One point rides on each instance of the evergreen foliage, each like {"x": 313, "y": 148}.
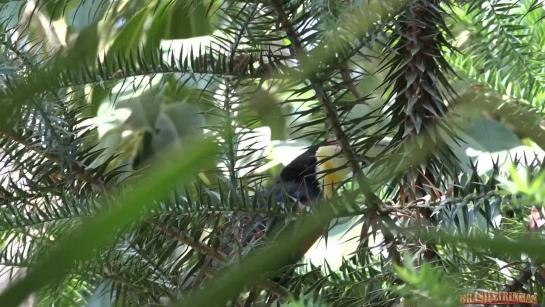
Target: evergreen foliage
{"x": 140, "y": 142}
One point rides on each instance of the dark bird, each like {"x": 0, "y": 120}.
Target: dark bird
{"x": 313, "y": 175}
{"x": 316, "y": 172}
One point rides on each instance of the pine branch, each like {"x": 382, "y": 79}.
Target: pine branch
{"x": 298, "y": 50}
{"x": 300, "y": 53}
{"x": 78, "y": 170}
{"x": 184, "y": 239}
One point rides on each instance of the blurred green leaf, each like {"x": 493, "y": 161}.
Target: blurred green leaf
{"x": 489, "y": 135}
{"x": 84, "y": 48}
{"x": 186, "y": 118}
{"x": 264, "y": 107}
{"x": 130, "y": 37}
{"x": 86, "y": 13}
{"x": 177, "y": 20}
{"x": 521, "y": 183}
{"x": 426, "y": 285}
{"x": 498, "y": 244}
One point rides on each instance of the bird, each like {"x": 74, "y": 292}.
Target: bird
{"x": 312, "y": 176}
{"x": 316, "y": 172}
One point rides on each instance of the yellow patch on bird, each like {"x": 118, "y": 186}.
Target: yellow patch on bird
{"x": 332, "y": 168}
